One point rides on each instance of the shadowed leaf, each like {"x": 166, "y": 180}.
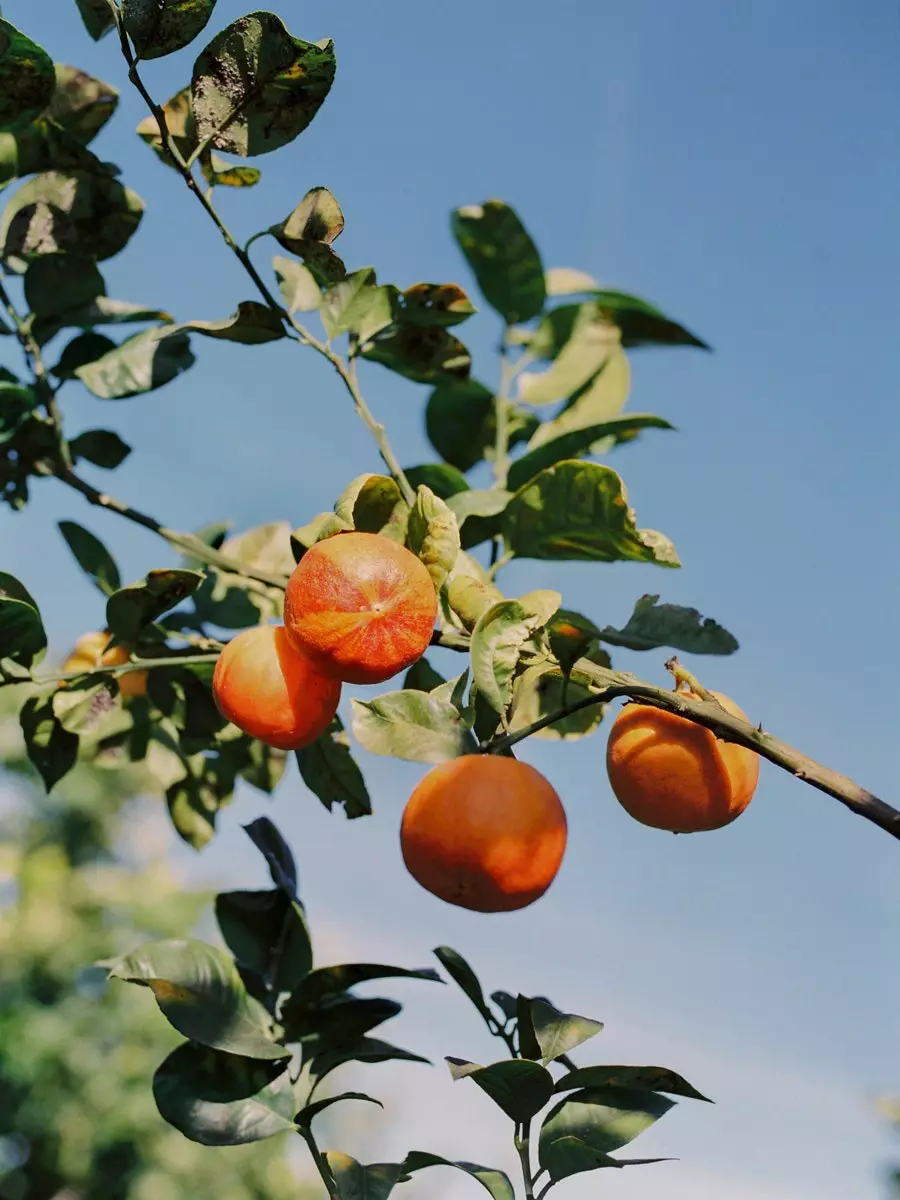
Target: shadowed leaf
{"x": 266, "y": 838}
{"x": 556, "y": 1032}
{"x": 653, "y": 624}
{"x": 81, "y": 104}
{"x": 252, "y": 325}
{"x": 496, "y": 1183}
{"x": 159, "y": 27}
{"x": 578, "y": 442}
{"x": 306, "y": 1115}
{"x": 97, "y": 17}
{"x": 92, "y": 556}
{"x": 583, "y": 1129}
{"x": 358, "y": 1182}
{"x": 27, "y": 77}
{"x": 329, "y": 770}
{"x": 53, "y": 751}
{"x": 464, "y": 977}
{"x": 520, "y": 1087}
{"x": 503, "y": 257}
{"x": 267, "y": 933}
{"x": 101, "y": 447}
{"x": 653, "y": 1079}
{"x": 131, "y": 608}
{"x": 140, "y": 364}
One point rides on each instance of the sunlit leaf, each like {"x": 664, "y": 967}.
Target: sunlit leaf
{"x": 520, "y": 1087}
{"x": 581, "y": 1131}
{"x": 495, "y": 1182}
{"x": 417, "y": 726}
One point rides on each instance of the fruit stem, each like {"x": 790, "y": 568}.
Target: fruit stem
{"x": 692, "y": 683}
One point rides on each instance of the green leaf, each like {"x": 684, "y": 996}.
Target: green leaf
{"x": 56, "y": 282}
{"x": 92, "y": 556}
{"x": 17, "y": 405}
{"x": 255, "y": 87}
{"x": 364, "y": 1049}
{"x": 218, "y": 172}
{"x": 22, "y": 636}
{"x": 142, "y": 363}
{"x": 132, "y": 608}
{"x": 441, "y": 304}
{"x": 528, "y": 1043}
{"x": 591, "y": 344}
{"x": 459, "y": 421}
{"x": 323, "y": 526}
{"x": 357, "y": 1182}
{"x": 520, "y": 1087}
{"x": 641, "y": 323}
{"x": 497, "y": 642}
{"x": 298, "y": 285}
{"x": 78, "y": 211}
{"x": 601, "y": 399}
{"x": 101, "y": 447}
{"x": 582, "y": 1130}
{"x": 81, "y": 104}
{"x": 568, "y": 281}
{"x": 356, "y": 305}
{"x": 557, "y": 1033}
{"x": 422, "y": 677}
{"x": 252, "y": 325}
{"x": 652, "y": 1079}
{"x": 478, "y": 512}
{"x": 417, "y": 726}
{"x": 652, "y": 625}
{"x": 464, "y": 977}
{"x": 338, "y": 1024}
{"x": 433, "y": 534}
{"x": 367, "y": 503}
{"x": 329, "y": 770}
{"x": 97, "y": 17}
{"x": 222, "y": 1099}
{"x": 27, "y": 78}
{"x": 423, "y": 354}
{"x": 317, "y": 218}
{"x": 579, "y": 511}
{"x": 503, "y": 257}
{"x": 159, "y": 27}
{"x": 194, "y": 802}
{"x": 53, "y": 751}
{"x": 329, "y": 981}
{"x": 101, "y": 311}
{"x": 267, "y": 933}
{"x": 89, "y": 710}
{"x": 200, "y": 992}
{"x": 578, "y": 442}
{"x": 543, "y": 689}
{"x": 265, "y": 768}
{"x": 571, "y": 636}
{"x": 445, "y": 481}
{"x": 306, "y": 1115}
{"x": 496, "y": 1183}
{"x": 45, "y": 146}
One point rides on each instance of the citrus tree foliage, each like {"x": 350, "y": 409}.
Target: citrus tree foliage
{"x": 524, "y": 466}
{"x": 76, "y": 1115}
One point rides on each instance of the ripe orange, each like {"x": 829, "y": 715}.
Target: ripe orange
{"x": 672, "y": 774}
{"x": 484, "y": 832}
{"x": 89, "y": 653}
{"x": 361, "y": 606}
{"x": 266, "y": 687}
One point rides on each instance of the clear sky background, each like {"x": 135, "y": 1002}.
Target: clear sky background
{"x": 737, "y": 164}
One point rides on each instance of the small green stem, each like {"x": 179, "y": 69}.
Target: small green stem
{"x": 137, "y": 664}
{"x": 321, "y": 1164}
{"x": 501, "y": 418}
{"x": 522, "y": 1140}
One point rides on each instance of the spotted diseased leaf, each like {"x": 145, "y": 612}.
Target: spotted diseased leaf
{"x": 255, "y": 87}
{"x": 425, "y": 354}
{"x": 417, "y": 726}
{"x": 652, "y": 625}
{"x": 218, "y": 172}
{"x": 81, "y": 104}
{"x": 102, "y": 447}
{"x": 441, "y": 304}
{"x": 557, "y": 1032}
{"x": 140, "y": 364}
{"x": 581, "y": 1132}
{"x": 495, "y": 1182}
{"x": 579, "y": 511}
{"x": 199, "y": 991}
{"x": 433, "y": 535}
{"x": 27, "y": 78}
{"x": 52, "y": 750}
{"x": 131, "y": 608}
{"x": 92, "y": 556}
{"x": 194, "y": 802}
{"x": 97, "y": 17}
{"x": 160, "y": 27}
{"x": 75, "y": 211}
{"x": 180, "y": 124}
{"x": 520, "y": 1087}
{"x": 329, "y": 770}
{"x": 503, "y": 257}
{"x": 252, "y": 325}
{"x": 498, "y": 639}
{"x": 220, "y": 1099}
{"x": 317, "y": 218}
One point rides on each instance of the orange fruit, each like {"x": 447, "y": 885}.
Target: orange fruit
{"x": 361, "y": 606}
{"x": 266, "y": 687}
{"x": 89, "y": 653}
{"x": 484, "y": 833}
{"x": 672, "y": 774}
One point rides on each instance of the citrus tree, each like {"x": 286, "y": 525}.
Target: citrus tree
{"x": 215, "y": 668}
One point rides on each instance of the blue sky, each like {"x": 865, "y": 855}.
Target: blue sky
{"x": 737, "y": 165}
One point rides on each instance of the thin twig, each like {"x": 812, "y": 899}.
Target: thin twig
{"x": 136, "y": 664}
{"x": 321, "y": 1162}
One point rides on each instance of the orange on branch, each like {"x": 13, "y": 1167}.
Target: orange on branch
{"x": 672, "y": 774}
{"x": 361, "y": 606}
{"x": 272, "y": 691}
{"x": 484, "y": 832}
{"x": 90, "y": 652}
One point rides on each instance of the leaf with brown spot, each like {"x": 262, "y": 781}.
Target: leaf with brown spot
{"x": 423, "y": 354}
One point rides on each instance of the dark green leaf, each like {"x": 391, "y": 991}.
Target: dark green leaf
{"x": 323, "y": 526}
{"x": 578, "y": 442}
{"x": 464, "y": 977}
{"x": 222, "y": 1099}
{"x": 580, "y": 1131}
{"x": 433, "y": 535}
{"x": 330, "y": 772}
{"x": 298, "y": 285}
{"x": 368, "y": 503}
{"x": 356, "y": 305}
{"x": 53, "y": 751}
{"x": 85, "y": 213}
{"x": 653, "y": 1079}
{"x": 142, "y": 363}
{"x": 159, "y": 27}
{"x": 641, "y": 323}
{"x": 364, "y": 1049}
{"x": 22, "y": 636}
{"x": 557, "y": 1033}
{"x": 81, "y": 105}
{"x": 17, "y": 405}
{"x": 422, "y": 677}
{"x": 325, "y": 266}
{"x": 571, "y": 636}
{"x": 97, "y": 17}
{"x": 507, "y": 1005}
{"x": 131, "y": 608}
{"x": 520, "y": 1087}
{"x": 307, "y": 1114}
{"x": 578, "y": 510}
{"x": 267, "y": 933}
{"x": 27, "y": 78}
{"x": 317, "y": 218}
{"x": 496, "y": 1183}
{"x": 101, "y": 311}
{"x": 83, "y": 349}
{"x": 653, "y": 624}
{"x": 528, "y": 1043}
{"x": 56, "y": 282}
{"x": 255, "y": 87}
{"x": 327, "y": 981}
{"x": 265, "y": 768}
{"x": 15, "y": 589}
{"x": 435, "y": 304}
{"x": 600, "y": 400}
{"x": 423, "y": 354}
{"x": 417, "y": 726}
{"x": 340, "y": 1021}
{"x": 101, "y": 447}
{"x": 459, "y": 421}
{"x": 503, "y": 257}
{"x": 92, "y": 556}
{"x": 497, "y": 642}
{"x": 200, "y": 992}
{"x": 252, "y": 325}
{"x": 357, "y": 1182}
{"x": 194, "y": 802}
{"x": 445, "y": 481}
{"x": 275, "y": 850}
{"x": 89, "y": 710}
